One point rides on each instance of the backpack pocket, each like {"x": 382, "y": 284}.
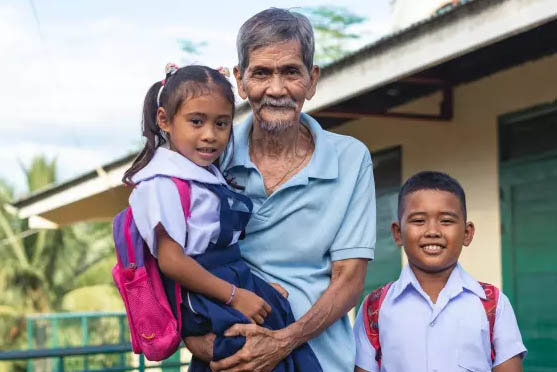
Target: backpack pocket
{"x": 154, "y": 326}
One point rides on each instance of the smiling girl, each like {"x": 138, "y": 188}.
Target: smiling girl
{"x": 187, "y": 123}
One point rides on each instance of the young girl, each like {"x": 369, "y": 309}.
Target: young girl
{"x": 187, "y": 121}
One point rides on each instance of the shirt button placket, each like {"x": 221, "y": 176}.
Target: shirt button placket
{"x": 432, "y": 363}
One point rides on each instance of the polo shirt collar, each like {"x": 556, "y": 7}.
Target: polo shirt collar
{"x": 169, "y": 163}
{"x": 459, "y": 280}
{"x": 323, "y": 163}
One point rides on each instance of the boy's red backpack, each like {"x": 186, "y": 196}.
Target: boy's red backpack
{"x": 372, "y": 305}
{"x": 154, "y": 326}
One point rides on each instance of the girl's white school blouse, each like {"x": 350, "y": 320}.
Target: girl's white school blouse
{"x": 155, "y": 200}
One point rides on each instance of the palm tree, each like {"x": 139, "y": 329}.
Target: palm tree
{"x": 40, "y": 268}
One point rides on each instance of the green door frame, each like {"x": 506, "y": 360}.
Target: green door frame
{"x": 530, "y": 172}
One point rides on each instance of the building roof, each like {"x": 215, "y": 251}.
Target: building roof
{"x": 457, "y": 44}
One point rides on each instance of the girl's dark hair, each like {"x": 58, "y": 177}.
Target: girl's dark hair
{"x": 187, "y": 82}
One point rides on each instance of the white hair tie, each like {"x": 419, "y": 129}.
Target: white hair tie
{"x": 170, "y": 69}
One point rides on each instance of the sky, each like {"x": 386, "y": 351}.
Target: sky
{"x": 74, "y": 73}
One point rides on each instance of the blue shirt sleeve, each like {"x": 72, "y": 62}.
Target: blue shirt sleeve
{"x": 356, "y": 236}
{"x": 157, "y": 201}
{"x": 506, "y": 335}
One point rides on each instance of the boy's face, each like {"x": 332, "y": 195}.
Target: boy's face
{"x": 432, "y": 230}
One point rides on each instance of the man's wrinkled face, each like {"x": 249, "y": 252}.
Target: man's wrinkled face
{"x": 277, "y": 83}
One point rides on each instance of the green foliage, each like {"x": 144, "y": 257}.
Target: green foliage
{"x": 39, "y": 268}
{"x": 191, "y": 47}
{"x": 40, "y": 173}
{"x": 96, "y": 273}
{"x": 332, "y": 26}
{"x": 101, "y": 297}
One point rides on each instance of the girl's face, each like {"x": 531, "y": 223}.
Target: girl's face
{"x": 201, "y": 127}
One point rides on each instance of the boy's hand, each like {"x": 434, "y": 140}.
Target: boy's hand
{"x": 251, "y": 305}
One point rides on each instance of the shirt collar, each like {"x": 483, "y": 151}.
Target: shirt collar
{"x": 323, "y": 163}
{"x": 172, "y": 164}
{"x": 458, "y": 281}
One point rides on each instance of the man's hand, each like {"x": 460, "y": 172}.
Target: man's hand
{"x": 263, "y": 349}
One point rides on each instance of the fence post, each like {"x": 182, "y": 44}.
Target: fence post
{"x": 141, "y": 363}
{"x": 85, "y": 340}
{"x": 54, "y": 323}
{"x": 61, "y": 364}
{"x": 122, "y": 339}
{"x": 29, "y": 324}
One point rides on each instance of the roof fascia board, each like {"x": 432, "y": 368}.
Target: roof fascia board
{"x": 373, "y": 67}
{"x": 103, "y": 182}
{"x": 493, "y": 23}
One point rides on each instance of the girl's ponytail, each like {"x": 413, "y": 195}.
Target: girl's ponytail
{"x": 179, "y": 83}
{"x": 150, "y": 130}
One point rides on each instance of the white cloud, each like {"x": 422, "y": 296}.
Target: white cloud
{"x": 76, "y": 91}
{"x": 77, "y": 94}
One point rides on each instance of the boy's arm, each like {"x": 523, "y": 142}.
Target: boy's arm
{"x": 506, "y": 336}
{"x": 365, "y": 352}
{"x": 512, "y": 365}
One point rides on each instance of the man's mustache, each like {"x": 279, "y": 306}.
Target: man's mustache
{"x": 280, "y": 103}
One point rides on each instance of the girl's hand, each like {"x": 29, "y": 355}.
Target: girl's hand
{"x": 251, "y": 305}
{"x": 280, "y": 289}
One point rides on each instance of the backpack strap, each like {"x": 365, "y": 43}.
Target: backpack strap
{"x": 490, "y": 307}
{"x": 184, "y": 191}
{"x": 128, "y": 237}
{"x": 372, "y": 305}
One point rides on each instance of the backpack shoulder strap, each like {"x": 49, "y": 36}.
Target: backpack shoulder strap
{"x": 490, "y": 307}
{"x": 372, "y": 305}
{"x": 184, "y": 191}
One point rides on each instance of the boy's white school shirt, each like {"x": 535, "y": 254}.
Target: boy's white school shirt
{"x": 417, "y": 335}
{"x": 156, "y": 200}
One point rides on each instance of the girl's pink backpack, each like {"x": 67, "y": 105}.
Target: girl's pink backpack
{"x": 154, "y": 327}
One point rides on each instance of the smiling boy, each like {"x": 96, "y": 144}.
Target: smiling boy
{"x": 436, "y": 317}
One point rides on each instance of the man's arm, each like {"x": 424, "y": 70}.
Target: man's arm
{"x": 264, "y": 348}
{"x": 201, "y": 346}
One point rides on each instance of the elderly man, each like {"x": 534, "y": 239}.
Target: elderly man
{"x": 313, "y": 227}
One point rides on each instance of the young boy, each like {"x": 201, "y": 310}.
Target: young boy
{"x": 434, "y": 317}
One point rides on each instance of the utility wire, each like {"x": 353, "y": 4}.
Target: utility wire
{"x": 37, "y": 20}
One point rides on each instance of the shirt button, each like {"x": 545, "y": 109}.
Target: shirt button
{"x": 431, "y": 325}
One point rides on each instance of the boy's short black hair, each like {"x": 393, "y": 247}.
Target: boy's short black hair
{"x": 431, "y": 180}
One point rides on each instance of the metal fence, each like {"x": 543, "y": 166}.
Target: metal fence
{"x": 79, "y": 342}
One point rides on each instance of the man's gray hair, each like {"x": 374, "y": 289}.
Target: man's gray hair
{"x": 275, "y": 25}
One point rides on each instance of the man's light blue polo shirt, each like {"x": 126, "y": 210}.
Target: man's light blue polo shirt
{"x": 324, "y": 213}
{"x": 449, "y": 335}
